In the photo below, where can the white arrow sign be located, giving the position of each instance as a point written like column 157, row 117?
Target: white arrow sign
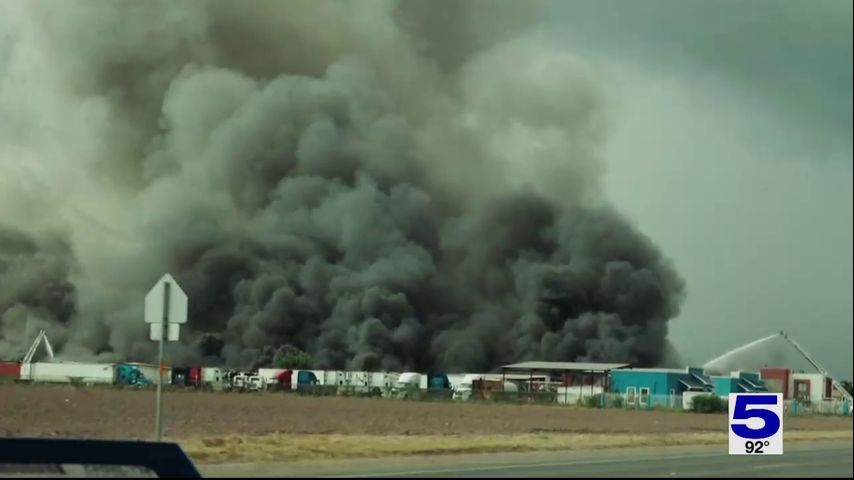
column 166, row 293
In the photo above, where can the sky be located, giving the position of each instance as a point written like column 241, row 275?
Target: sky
column 730, row 145
column 728, row 139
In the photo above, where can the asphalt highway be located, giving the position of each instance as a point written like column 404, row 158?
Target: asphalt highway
column 815, row 460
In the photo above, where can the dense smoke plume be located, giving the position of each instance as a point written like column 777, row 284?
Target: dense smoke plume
column 387, row 186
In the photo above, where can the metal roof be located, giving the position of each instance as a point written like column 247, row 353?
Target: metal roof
column 564, row 366
column 683, row 371
column 690, row 383
column 701, row 378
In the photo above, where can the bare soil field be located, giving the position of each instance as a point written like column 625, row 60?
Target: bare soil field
column 68, row 411
column 300, row 447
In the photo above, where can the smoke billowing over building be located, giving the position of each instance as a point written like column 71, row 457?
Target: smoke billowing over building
column 382, row 184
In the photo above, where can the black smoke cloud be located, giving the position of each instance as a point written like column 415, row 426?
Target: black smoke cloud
column 35, row 292
column 341, row 177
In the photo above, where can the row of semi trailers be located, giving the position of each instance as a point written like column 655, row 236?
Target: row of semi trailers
column 381, row 383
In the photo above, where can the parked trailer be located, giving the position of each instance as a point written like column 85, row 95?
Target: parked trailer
column 463, row 389
column 186, row 376
column 271, row 378
column 10, row 370
column 282, row 379
column 372, row 383
column 385, row 382
column 306, row 382
column 332, row 378
column 69, row 372
column 409, row 380
column 456, row 380
column 212, row 378
column 244, row 381
column 326, row 378
column 350, row 382
column 431, row 385
column 487, row 389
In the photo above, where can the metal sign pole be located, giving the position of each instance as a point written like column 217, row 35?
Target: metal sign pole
column 159, row 409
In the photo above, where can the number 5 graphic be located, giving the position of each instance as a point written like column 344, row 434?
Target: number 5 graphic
column 741, row 412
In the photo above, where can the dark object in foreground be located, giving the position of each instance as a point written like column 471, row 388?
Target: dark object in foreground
column 52, row 458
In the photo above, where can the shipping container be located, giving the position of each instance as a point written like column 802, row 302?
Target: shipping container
column 10, row 370
column 69, row 372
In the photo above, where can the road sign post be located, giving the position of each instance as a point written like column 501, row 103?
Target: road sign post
column 158, row 427
column 165, row 310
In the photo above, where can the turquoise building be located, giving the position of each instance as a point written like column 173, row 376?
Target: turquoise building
column 738, row 382
column 651, row 387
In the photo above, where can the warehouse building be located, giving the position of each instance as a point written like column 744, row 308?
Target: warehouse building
column 658, row 387
column 804, row 387
column 738, row 382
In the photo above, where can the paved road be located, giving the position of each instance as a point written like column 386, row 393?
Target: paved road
column 817, row 460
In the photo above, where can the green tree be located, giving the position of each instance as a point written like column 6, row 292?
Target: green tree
column 846, row 384
column 289, row 356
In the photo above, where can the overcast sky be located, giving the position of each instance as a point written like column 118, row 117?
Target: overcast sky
column 731, row 146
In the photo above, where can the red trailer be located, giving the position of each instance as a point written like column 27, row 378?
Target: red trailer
column 194, row 376
column 10, row 370
column 284, row 380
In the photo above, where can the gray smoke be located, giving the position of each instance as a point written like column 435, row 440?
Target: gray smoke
column 384, row 185
column 35, row 292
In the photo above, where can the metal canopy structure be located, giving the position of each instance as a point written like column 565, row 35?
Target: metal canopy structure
column 566, row 370
column 562, row 367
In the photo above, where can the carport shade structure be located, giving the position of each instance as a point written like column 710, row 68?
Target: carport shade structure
column 563, row 369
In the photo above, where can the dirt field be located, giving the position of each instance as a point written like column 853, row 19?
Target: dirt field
column 67, row 411
column 281, row 447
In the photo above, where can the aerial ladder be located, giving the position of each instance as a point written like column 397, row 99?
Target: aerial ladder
column 28, row 358
column 838, row 386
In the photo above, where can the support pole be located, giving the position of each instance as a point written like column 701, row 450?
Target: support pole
column 158, row 425
column 531, row 386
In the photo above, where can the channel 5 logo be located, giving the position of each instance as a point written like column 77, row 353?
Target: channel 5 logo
column 755, row 424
